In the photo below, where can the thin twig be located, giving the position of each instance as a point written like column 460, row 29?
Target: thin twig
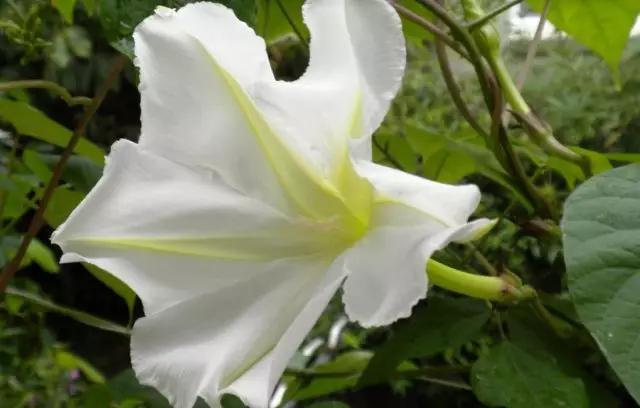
column 50, row 86
column 36, row 221
column 423, row 373
column 437, row 32
column 454, row 90
column 474, row 25
column 293, row 25
column 464, row 37
column 387, row 155
column 533, row 46
column 493, row 99
column 499, row 131
column 531, row 55
column 447, row 383
column 482, row 260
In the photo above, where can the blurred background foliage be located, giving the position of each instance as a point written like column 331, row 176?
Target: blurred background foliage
column 63, row 328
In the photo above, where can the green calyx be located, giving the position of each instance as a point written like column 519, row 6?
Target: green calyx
column 486, row 36
column 493, row 288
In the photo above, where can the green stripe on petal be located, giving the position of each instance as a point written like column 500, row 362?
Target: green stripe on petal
column 347, row 197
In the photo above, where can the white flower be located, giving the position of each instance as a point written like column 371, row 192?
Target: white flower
column 248, row 202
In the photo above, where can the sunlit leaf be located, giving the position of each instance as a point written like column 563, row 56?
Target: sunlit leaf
column 414, row 32
column 65, row 7
column 392, row 150
column 449, row 158
column 623, row 157
column 603, row 26
column 272, row 22
column 599, row 162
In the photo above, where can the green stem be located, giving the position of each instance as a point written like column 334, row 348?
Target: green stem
column 488, row 41
column 50, row 86
column 509, row 88
column 492, row 288
column 490, row 270
column 432, row 28
column 564, row 329
column 77, row 315
column 295, row 29
column 454, row 90
column 426, row 373
column 490, row 15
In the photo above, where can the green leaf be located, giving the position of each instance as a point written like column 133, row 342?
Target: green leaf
column 31, row 122
column 402, row 155
column 62, row 203
column 125, row 387
column 329, row 404
column 17, row 205
column 89, row 6
column 81, row 172
column 70, row 361
column 231, row 401
column 79, row 41
column 120, row 17
column 603, row 26
column 449, row 158
column 414, row 32
column 444, row 323
column 43, row 256
column 464, row 153
column 35, row 163
column 522, row 373
column 623, row 157
column 599, row 162
column 77, row 315
column 272, row 23
column 601, row 230
column 354, row 361
column 65, row 7
column 6, row 184
column 59, row 51
column 115, row 284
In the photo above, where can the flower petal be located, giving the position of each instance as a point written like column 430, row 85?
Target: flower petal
column 171, row 233
column 386, row 270
column 412, row 219
column 356, row 67
column 207, row 345
column 191, row 80
column 256, row 385
column 190, row 112
column 450, row 205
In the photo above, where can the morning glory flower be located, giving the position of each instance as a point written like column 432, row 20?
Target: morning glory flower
column 249, row 202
